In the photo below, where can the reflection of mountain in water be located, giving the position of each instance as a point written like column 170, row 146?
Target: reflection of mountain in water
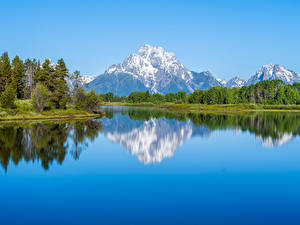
column 151, row 141
column 275, row 142
column 153, row 135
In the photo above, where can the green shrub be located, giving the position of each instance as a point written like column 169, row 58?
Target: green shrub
column 89, row 101
column 41, row 97
column 24, row 105
column 8, row 96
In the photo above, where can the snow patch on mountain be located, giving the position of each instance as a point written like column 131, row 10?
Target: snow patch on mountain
column 86, row 79
column 222, row 82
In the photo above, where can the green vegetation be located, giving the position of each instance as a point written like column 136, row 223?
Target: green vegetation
column 273, row 92
column 7, row 98
column 229, row 107
column 265, row 95
column 89, row 102
column 43, row 88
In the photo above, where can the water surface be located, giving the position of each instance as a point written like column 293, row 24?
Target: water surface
column 147, row 166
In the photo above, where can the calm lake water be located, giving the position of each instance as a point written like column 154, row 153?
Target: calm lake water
column 146, row 166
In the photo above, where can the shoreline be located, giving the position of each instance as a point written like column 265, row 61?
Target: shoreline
column 213, row 108
column 51, row 116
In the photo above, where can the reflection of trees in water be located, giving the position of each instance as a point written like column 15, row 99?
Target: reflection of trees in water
column 265, row 125
column 45, row 142
column 153, row 135
column 81, row 133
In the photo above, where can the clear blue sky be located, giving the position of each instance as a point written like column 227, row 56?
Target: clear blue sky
column 228, row 38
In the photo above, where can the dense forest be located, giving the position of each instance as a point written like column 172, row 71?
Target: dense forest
column 273, row 92
column 45, row 84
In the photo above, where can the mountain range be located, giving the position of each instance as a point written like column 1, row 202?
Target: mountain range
column 156, row 70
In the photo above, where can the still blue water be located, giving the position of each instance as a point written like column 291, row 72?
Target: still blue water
column 142, row 166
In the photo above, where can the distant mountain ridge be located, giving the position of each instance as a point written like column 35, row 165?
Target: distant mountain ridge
column 156, row 70
column 236, row 82
column 274, row 71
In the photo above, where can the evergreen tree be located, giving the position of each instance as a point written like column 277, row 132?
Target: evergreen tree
column 5, row 71
column 7, row 98
column 59, row 84
column 45, row 75
column 18, row 75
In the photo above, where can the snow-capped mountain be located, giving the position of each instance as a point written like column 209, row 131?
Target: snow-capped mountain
column 86, row 79
column 83, row 81
column 154, row 69
column 274, row 71
column 222, row 82
column 235, row 82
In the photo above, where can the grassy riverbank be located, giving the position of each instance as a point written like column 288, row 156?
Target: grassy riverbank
column 214, row 108
column 25, row 111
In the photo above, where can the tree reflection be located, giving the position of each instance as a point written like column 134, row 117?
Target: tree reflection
column 264, row 124
column 45, row 142
column 153, row 135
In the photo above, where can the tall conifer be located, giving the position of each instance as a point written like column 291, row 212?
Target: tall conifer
column 5, row 71
column 61, row 87
column 18, row 75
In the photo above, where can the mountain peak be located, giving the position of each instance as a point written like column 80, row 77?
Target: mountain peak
column 153, row 66
column 147, row 50
column 274, row 71
column 236, row 82
column 222, row 81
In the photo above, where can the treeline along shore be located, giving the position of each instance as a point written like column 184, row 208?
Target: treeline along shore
column 265, row 95
column 30, row 89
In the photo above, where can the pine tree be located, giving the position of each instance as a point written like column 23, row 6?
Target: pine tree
column 18, row 75
column 61, row 89
column 7, row 97
column 45, row 75
column 5, row 71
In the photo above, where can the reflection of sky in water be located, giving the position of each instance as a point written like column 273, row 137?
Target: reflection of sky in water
column 220, row 176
